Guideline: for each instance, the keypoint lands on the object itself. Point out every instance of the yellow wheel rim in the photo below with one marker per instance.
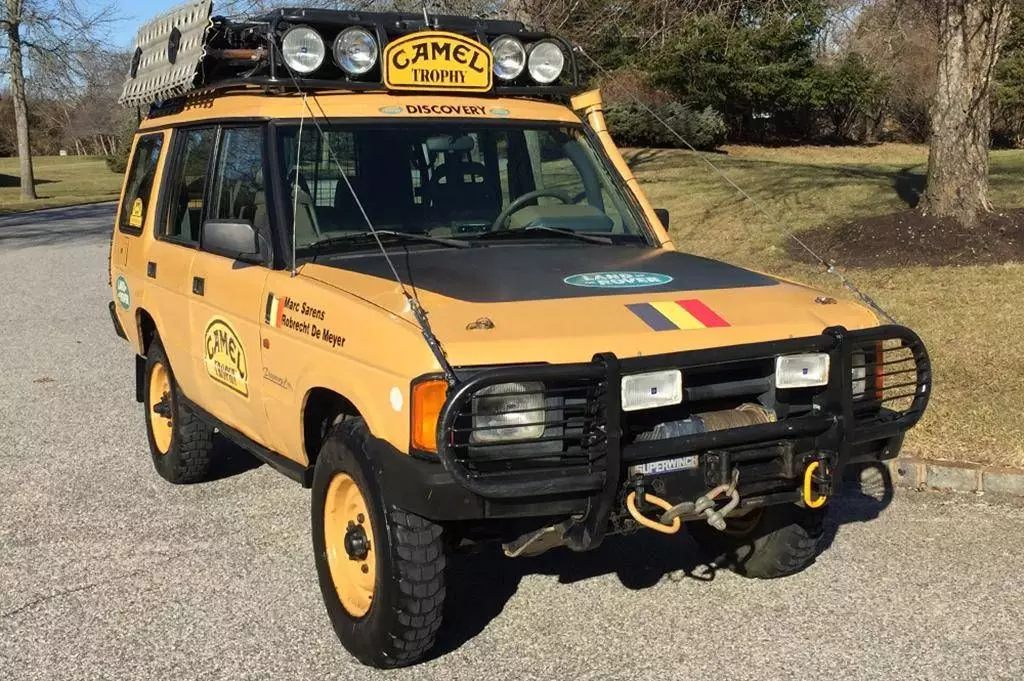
(348, 536)
(162, 426)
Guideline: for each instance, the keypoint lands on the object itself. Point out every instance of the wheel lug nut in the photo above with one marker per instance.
(365, 569)
(361, 518)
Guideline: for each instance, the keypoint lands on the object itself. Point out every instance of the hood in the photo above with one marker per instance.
(566, 302)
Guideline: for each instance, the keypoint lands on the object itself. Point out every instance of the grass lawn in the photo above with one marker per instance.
(59, 182)
(969, 317)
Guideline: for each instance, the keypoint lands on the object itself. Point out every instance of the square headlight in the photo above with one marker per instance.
(509, 412)
(808, 370)
(651, 390)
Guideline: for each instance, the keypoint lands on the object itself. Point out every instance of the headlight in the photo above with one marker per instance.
(509, 57)
(801, 371)
(546, 62)
(355, 51)
(507, 412)
(303, 49)
(655, 389)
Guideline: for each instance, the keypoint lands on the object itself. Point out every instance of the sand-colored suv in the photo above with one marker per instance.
(401, 261)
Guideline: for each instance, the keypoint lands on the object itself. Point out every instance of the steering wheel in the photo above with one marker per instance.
(499, 222)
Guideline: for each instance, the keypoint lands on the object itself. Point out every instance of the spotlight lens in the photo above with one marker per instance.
(509, 57)
(355, 51)
(303, 49)
(546, 62)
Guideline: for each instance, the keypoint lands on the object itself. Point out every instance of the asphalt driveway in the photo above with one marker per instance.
(106, 572)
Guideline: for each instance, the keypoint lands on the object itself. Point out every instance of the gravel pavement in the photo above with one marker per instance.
(106, 572)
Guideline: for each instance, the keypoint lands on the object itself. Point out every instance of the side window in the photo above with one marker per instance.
(139, 186)
(187, 190)
(238, 191)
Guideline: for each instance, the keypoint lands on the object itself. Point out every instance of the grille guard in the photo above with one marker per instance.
(837, 423)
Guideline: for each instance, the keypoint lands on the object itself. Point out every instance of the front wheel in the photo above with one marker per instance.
(771, 542)
(381, 569)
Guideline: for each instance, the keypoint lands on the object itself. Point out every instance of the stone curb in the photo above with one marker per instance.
(952, 476)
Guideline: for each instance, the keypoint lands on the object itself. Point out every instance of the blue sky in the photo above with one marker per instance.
(135, 13)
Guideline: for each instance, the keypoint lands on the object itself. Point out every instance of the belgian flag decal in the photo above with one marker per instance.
(680, 314)
(275, 310)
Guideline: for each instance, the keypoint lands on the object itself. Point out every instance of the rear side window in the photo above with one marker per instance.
(139, 187)
(186, 197)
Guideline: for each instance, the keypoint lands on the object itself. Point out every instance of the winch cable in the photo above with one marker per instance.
(412, 298)
(829, 267)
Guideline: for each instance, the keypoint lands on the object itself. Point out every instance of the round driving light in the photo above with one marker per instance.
(509, 57)
(303, 49)
(546, 62)
(355, 51)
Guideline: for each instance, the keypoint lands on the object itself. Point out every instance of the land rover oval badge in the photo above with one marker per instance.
(618, 279)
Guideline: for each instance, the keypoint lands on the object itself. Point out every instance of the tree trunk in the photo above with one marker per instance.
(970, 36)
(28, 180)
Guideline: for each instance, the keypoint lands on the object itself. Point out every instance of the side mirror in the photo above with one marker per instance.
(662, 214)
(235, 239)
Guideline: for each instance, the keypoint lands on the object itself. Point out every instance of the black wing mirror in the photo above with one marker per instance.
(235, 239)
(662, 214)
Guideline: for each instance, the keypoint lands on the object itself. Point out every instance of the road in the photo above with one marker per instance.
(106, 572)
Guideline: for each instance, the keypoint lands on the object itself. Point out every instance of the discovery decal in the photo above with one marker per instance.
(225, 357)
(298, 316)
(444, 110)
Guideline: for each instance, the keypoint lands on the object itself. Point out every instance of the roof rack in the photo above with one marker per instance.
(188, 49)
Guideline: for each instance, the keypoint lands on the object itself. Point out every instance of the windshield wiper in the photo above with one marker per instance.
(511, 234)
(385, 235)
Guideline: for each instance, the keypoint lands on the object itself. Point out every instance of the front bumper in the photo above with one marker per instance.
(589, 476)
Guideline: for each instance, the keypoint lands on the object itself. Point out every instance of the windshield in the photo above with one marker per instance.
(468, 181)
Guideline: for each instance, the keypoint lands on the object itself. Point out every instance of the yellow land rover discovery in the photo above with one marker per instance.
(399, 259)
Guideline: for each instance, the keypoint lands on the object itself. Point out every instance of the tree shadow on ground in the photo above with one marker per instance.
(8, 181)
(57, 226)
(770, 179)
(909, 185)
(481, 584)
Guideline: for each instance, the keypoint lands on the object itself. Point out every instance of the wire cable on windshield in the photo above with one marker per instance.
(413, 300)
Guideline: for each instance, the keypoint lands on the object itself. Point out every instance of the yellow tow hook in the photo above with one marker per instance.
(809, 499)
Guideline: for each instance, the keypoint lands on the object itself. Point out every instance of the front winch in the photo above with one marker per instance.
(747, 414)
(671, 520)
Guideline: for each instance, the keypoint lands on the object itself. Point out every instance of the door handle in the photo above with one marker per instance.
(151, 269)
(198, 286)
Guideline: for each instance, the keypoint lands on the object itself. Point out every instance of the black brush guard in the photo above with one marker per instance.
(837, 423)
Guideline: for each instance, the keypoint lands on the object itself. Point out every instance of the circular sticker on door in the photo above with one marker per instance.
(124, 296)
(618, 279)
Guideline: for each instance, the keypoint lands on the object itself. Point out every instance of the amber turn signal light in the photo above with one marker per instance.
(427, 400)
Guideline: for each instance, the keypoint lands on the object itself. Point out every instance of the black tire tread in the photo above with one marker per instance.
(194, 460)
(420, 560)
(404, 633)
(190, 458)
